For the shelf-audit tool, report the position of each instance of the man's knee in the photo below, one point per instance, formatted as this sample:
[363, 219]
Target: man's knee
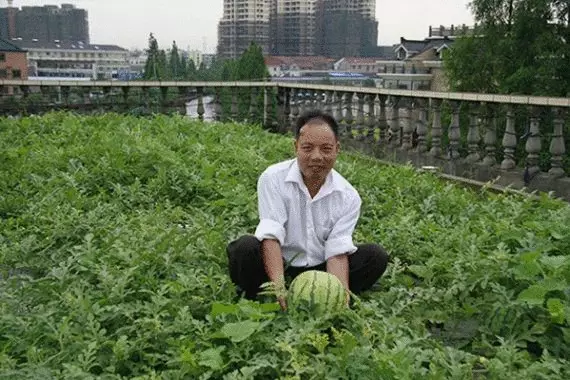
[245, 245]
[377, 258]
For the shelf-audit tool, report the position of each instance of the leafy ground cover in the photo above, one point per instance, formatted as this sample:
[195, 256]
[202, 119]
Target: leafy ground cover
[112, 264]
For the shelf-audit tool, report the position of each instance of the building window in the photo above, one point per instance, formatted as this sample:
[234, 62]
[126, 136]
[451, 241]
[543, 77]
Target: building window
[16, 74]
[2, 57]
[3, 73]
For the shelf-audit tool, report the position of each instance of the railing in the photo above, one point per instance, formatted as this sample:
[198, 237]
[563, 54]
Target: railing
[514, 141]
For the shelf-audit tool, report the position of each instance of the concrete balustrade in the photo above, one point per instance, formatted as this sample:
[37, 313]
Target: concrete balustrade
[515, 141]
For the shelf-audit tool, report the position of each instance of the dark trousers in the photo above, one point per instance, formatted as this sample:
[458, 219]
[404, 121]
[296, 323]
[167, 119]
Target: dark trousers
[247, 270]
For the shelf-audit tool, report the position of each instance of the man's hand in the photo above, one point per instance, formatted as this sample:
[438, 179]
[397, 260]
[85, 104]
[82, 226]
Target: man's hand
[338, 266]
[273, 261]
[282, 303]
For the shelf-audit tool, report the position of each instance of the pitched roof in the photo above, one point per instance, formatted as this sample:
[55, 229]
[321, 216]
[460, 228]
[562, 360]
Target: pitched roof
[307, 63]
[6, 46]
[64, 45]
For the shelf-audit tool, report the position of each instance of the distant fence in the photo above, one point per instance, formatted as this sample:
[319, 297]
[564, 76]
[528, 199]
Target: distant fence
[516, 141]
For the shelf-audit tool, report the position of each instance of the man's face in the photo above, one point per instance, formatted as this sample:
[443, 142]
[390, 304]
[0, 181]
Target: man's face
[317, 149]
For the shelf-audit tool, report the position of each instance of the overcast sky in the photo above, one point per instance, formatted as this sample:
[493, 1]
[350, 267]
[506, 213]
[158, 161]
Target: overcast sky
[193, 23]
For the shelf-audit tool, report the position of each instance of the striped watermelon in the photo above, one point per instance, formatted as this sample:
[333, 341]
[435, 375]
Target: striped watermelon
[322, 292]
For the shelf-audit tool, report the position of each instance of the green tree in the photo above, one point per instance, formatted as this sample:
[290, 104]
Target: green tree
[519, 47]
[251, 65]
[152, 70]
[174, 62]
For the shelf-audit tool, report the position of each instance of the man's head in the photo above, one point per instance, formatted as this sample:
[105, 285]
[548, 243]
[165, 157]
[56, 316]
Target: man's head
[316, 145]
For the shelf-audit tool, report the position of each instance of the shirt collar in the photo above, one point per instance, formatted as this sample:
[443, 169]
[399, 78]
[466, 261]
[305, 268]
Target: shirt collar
[294, 175]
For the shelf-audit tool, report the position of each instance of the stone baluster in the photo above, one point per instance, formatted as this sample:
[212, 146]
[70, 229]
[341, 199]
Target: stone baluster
[490, 140]
[163, 96]
[218, 112]
[125, 89]
[454, 131]
[329, 102]
[294, 107]
[285, 94]
[360, 117]
[421, 125]
[509, 141]
[557, 147]
[65, 93]
[318, 100]
[408, 128]
[394, 133]
[349, 118]
[267, 108]
[253, 104]
[200, 109]
[382, 119]
[533, 146]
[146, 96]
[436, 129]
[473, 135]
[369, 135]
[235, 103]
[338, 114]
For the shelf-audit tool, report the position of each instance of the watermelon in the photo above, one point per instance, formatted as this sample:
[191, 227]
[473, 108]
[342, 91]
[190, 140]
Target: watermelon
[320, 292]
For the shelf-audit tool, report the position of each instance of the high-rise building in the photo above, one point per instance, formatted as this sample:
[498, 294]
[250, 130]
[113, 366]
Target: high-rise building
[243, 22]
[293, 27]
[45, 24]
[346, 28]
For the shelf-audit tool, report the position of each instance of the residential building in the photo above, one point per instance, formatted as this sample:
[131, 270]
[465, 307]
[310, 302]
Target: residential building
[411, 64]
[208, 59]
[295, 66]
[196, 56]
[451, 31]
[74, 60]
[13, 64]
[45, 23]
[243, 22]
[346, 28]
[293, 27]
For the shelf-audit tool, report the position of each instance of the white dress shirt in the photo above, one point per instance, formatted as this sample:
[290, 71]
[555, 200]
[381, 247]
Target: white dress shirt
[310, 231]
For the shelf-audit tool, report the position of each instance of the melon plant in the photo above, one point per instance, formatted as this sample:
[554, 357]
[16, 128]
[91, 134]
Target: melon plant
[319, 292]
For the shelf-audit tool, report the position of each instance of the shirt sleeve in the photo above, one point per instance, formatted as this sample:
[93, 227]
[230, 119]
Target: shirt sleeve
[340, 241]
[272, 211]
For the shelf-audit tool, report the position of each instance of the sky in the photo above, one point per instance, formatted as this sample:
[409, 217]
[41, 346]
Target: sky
[193, 23]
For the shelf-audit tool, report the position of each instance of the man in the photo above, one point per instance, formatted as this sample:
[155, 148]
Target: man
[308, 213]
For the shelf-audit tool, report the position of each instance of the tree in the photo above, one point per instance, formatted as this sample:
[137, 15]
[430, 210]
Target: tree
[251, 64]
[152, 69]
[174, 62]
[519, 47]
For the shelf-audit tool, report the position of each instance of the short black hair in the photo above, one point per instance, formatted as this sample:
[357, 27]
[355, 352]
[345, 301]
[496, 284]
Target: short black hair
[312, 115]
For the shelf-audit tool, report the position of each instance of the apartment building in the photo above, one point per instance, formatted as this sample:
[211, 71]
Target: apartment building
[59, 59]
[45, 23]
[293, 25]
[346, 28]
[243, 22]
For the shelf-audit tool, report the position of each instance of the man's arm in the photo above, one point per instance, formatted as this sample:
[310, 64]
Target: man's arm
[338, 265]
[340, 245]
[273, 261]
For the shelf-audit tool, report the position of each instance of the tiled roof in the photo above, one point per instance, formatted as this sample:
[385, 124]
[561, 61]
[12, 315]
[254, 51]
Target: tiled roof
[64, 45]
[6, 46]
[310, 62]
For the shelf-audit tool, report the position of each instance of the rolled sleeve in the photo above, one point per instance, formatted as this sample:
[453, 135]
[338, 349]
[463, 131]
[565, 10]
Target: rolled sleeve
[272, 211]
[340, 241]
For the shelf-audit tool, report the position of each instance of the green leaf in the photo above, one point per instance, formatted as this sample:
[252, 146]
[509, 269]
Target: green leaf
[556, 310]
[534, 295]
[240, 331]
[555, 262]
[421, 271]
[212, 358]
[221, 309]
